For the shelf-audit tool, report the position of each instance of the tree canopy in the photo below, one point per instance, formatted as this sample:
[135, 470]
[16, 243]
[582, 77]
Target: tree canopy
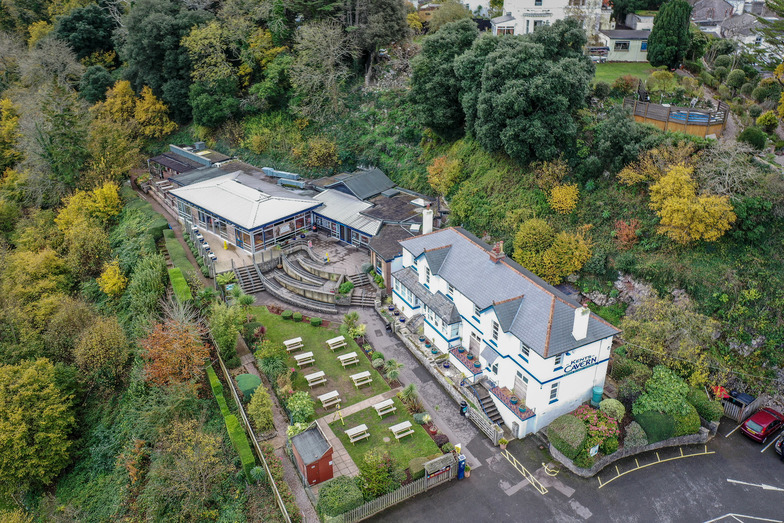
[670, 40]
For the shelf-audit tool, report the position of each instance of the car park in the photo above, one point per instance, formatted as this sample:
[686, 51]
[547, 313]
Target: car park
[763, 424]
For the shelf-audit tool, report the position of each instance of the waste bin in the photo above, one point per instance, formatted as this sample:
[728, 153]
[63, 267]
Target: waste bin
[597, 396]
[461, 464]
[463, 408]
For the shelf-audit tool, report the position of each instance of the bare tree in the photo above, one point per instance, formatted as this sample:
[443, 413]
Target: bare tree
[728, 169]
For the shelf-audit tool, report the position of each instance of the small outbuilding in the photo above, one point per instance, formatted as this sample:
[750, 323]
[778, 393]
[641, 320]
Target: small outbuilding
[313, 455]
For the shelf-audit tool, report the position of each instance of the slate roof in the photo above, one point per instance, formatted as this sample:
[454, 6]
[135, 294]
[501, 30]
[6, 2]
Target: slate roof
[344, 208]
[440, 304]
[386, 243]
[489, 354]
[365, 184]
[711, 10]
[740, 25]
[310, 445]
[175, 162]
[435, 257]
[532, 310]
[502, 19]
[627, 34]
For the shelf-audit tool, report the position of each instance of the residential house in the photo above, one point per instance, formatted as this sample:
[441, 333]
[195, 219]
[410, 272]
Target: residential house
[708, 15]
[626, 45]
[524, 16]
[529, 339]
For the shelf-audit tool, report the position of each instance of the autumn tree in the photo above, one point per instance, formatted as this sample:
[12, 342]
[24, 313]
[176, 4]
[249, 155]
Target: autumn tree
[152, 116]
[654, 163]
[36, 419]
[102, 349]
[173, 353]
[9, 135]
[550, 254]
[114, 151]
[443, 173]
[112, 281]
[686, 216]
[563, 198]
[549, 174]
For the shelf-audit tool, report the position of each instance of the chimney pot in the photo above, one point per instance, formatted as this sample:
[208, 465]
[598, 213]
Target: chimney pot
[497, 252]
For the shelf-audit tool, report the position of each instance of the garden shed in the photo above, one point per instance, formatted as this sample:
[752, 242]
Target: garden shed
[313, 454]
[248, 384]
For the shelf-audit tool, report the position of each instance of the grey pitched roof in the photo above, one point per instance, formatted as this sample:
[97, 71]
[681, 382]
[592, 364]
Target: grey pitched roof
[435, 257]
[739, 25]
[175, 162]
[387, 242]
[366, 184]
[711, 10]
[501, 19]
[440, 304]
[534, 311]
[311, 444]
[627, 34]
[489, 354]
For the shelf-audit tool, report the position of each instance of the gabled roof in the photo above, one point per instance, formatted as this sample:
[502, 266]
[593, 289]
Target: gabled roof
[386, 243]
[435, 257]
[442, 306]
[310, 444]
[532, 310]
[240, 204]
[175, 162]
[365, 184]
[346, 209]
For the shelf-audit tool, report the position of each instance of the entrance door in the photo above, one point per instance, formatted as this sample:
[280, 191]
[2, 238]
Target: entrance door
[473, 343]
[345, 234]
[521, 385]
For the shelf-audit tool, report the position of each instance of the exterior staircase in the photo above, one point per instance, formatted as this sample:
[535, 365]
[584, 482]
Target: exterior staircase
[487, 405]
[248, 278]
[359, 279]
[360, 298]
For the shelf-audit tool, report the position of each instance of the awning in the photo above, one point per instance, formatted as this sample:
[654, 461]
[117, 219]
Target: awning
[489, 354]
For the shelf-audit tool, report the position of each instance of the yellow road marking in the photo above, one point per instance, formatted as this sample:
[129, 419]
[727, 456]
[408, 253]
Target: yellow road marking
[659, 460]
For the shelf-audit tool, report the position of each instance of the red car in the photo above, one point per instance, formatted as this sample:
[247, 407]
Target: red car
[763, 424]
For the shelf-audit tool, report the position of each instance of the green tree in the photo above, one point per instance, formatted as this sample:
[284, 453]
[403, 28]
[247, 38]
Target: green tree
[9, 135]
[377, 23]
[669, 39]
[215, 102]
[86, 30]
[435, 87]
[623, 7]
[36, 419]
[260, 410]
[448, 12]
[94, 84]
[736, 78]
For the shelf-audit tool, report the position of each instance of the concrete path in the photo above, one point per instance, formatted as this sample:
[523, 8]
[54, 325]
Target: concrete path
[342, 464]
[362, 405]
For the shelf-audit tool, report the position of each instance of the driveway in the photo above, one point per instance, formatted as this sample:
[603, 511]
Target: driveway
[666, 487]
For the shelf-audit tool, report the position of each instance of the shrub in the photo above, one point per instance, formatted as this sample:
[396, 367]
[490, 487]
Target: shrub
[379, 474]
[583, 459]
[240, 441]
[753, 136]
[723, 60]
[746, 89]
[315, 322]
[260, 410]
[609, 446]
[249, 331]
[688, 423]
[628, 368]
[710, 410]
[755, 110]
[708, 79]
[628, 392]
[301, 407]
[422, 418]
[345, 287]
[601, 90]
[233, 362]
[378, 363]
[224, 407]
[567, 434]
[272, 367]
[625, 84]
[296, 428]
[635, 436]
[416, 466]
[287, 314]
[768, 121]
[720, 73]
[657, 426]
[563, 198]
[613, 408]
[377, 356]
[441, 439]
[297, 316]
[339, 496]
[447, 447]
[664, 392]
[598, 425]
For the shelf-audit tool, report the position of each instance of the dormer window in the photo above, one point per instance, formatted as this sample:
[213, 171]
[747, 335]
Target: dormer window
[450, 291]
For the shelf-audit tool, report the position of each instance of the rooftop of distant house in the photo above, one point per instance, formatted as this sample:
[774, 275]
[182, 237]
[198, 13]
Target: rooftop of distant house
[626, 34]
[185, 158]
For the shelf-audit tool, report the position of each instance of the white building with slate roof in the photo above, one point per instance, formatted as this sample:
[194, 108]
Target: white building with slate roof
[530, 339]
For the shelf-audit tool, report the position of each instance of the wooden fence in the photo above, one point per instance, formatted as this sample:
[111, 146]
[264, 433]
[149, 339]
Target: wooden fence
[697, 122]
[490, 429]
[739, 413]
[446, 473]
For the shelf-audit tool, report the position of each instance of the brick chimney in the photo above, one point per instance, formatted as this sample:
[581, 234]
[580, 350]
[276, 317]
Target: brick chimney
[497, 252]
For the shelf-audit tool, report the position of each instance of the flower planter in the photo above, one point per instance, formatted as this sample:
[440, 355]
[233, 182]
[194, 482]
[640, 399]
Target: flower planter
[513, 400]
[421, 338]
[392, 308]
[521, 408]
[447, 365]
[397, 313]
[461, 350]
[402, 320]
[503, 446]
[428, 345]
[477, 364]
[470, 356]
[433, 351]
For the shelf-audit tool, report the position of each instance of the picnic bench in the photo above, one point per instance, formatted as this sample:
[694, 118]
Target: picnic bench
[385, 407]
[336, 343]
[348, 359]
[357, 433]
[361, 378]
[293, 344]
[401, 430]
[317, 378]
[329, 399]
[304, 359]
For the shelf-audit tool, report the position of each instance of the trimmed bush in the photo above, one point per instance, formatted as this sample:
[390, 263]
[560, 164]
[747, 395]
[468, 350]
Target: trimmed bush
[379, 363]
[240, 441]
[627, 368]
[315, 322]
[345, 287]
[421, 417]
[297, 316]
[377, 356]
[301, 407]
[635, 436]
[224, 407]
[613, 408]
[180, 287]
[447, 447]
[755, 110]
[710, 410]
[609, 446]
[583, 459]
[441, 439]
[287, 314]
[657, 426]
[568, 434]
[754, 136]
[416, 466]
[177, 252]
[688, 423]
[215, 384]
[340, 495]
[260, 410]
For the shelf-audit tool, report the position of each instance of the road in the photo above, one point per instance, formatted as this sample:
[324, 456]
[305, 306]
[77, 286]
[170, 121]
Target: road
[690, 489]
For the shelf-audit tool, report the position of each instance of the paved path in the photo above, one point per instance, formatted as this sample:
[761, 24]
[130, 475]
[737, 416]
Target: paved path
[362, 405]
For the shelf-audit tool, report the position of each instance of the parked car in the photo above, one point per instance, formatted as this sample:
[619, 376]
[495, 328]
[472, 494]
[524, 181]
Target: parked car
[763, 424]
[779, 446]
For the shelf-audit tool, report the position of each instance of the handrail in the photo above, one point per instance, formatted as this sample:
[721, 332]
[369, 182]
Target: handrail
[480, 403]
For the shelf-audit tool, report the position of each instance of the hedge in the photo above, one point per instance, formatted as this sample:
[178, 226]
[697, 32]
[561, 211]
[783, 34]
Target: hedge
[177, 252]
[297, 316]
[287, 314]
[224, 407]
[416, 466]
[248, 331]
[215, 384]
[613, 408]
[710, 410]
[568, 434]
[181, 290]
[240, 441]
[688, 423]
[338, 496]
[657, 426]
[315, 322]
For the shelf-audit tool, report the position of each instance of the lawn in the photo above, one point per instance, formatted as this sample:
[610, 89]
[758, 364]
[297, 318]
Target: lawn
[314, 340]
[418, 444]
[608, 72]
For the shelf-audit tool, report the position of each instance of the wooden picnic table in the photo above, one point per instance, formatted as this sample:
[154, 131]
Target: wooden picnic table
[385, 407]
[348, 359]
[317, 378]
[361, 378]
[293, 344]
[329, 399]
[336, 343]
[401, 430]
[304, 359]
[357, 433]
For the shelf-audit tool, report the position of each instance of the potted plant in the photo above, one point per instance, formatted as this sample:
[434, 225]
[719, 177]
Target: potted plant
[503, 442]
[447, 364]
[422, 337]
[433, 351]
[514, 400]
[470, 356]
[402, 320]
[468, 471]
[397, 313]
[428, 344]
[461, 350]
[477, 364]
[522, 408]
